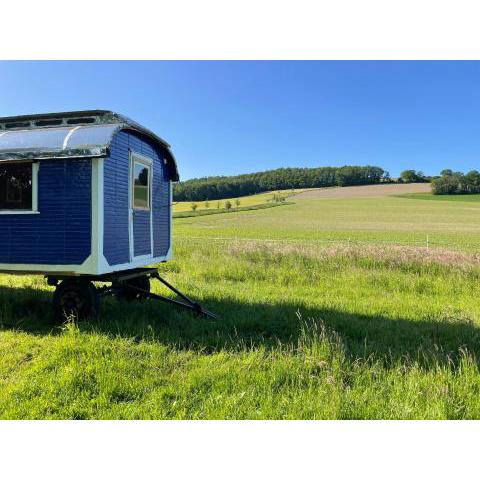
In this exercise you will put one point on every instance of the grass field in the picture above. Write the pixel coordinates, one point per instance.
(329, 308)
(377, 220)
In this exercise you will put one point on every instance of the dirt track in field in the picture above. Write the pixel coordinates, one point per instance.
(365, 191)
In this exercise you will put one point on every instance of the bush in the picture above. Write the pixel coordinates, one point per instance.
(277, 198)
(456, 183)
(228, 205)
(194, 207)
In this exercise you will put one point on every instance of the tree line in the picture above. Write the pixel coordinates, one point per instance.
(451, 182)
(214, 188)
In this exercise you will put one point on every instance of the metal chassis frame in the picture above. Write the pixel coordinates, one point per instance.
(119, 279)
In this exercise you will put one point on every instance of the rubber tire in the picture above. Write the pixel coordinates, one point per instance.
(129, 295)
(76, 299)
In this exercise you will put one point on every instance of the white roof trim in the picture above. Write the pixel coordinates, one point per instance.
(67, 137)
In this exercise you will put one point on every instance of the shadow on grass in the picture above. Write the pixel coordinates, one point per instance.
(240, 326)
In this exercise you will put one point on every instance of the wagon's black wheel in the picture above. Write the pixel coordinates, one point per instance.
(77, 299)
(130, 294)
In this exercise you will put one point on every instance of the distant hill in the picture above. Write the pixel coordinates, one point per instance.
(213, 188)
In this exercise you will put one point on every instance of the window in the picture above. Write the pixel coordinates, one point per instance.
(141, 185)
(18, 187)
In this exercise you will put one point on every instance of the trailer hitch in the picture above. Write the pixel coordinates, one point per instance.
(187, 303)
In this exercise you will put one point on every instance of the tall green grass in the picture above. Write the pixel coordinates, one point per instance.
(304, 331)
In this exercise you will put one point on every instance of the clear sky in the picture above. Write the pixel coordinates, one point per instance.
(224, 118)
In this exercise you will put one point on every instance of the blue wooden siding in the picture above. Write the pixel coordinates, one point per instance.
(115, 177)
(141, 233)
(116, 183)
(161, 208)
(61, 233)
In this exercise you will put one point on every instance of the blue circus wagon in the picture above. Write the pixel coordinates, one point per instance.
(86, 197)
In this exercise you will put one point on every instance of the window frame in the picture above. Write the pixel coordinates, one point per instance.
(34, 209)
(147, 163)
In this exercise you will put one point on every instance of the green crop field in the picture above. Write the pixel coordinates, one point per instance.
(446, 198)
(328, 308)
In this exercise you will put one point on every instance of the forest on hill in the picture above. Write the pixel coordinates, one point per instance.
(214, 188)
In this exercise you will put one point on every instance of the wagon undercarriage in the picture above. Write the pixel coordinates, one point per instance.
(78, 296)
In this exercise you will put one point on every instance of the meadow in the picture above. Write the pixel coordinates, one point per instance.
(387, 220)
(330, 308)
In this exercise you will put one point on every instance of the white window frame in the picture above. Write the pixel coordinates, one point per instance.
(34, 210)
(147, 163)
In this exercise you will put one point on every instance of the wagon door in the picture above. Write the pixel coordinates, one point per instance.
(140, 210)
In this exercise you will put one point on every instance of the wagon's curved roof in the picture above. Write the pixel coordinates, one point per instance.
(70, 135)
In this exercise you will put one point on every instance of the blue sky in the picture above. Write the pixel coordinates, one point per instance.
(224, 118)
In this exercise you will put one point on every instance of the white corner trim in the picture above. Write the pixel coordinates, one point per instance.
(97, 211)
